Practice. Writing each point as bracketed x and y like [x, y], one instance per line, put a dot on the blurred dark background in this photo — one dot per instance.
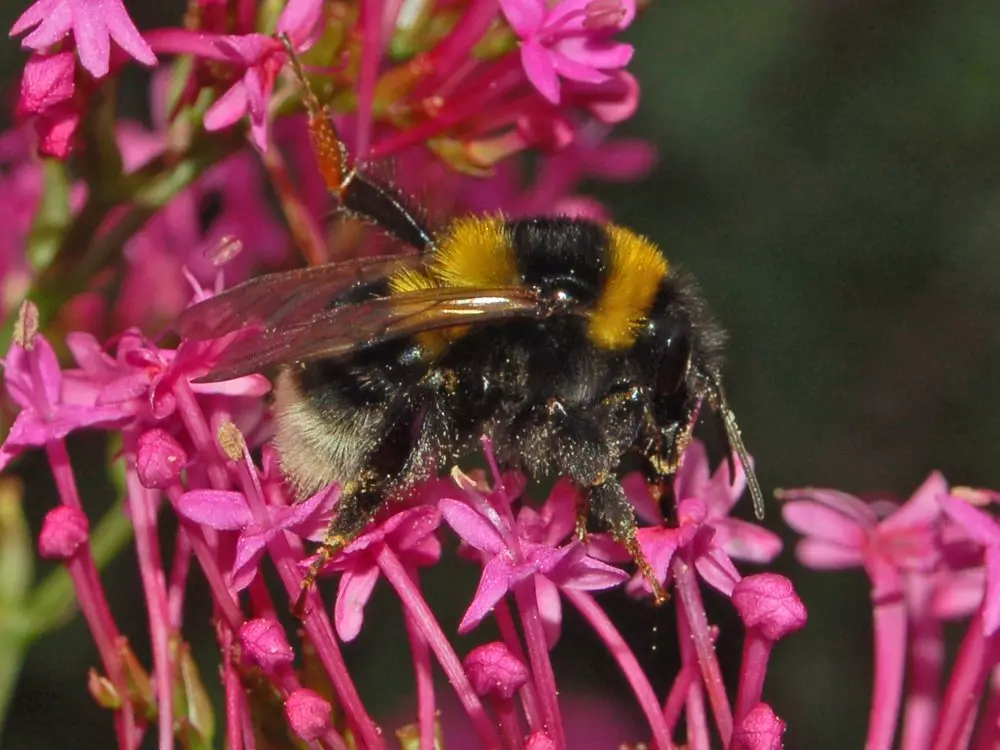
[829, 172]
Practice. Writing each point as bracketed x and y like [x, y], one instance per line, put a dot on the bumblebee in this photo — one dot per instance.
[570, 344]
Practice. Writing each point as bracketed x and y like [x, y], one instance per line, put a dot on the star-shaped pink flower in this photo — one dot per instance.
[704, 525]
[569, 40]
[94, 24]
[410, 534]
[228, 510]
[843, 531]
[34, 382]
[512, 554]
[260, 56]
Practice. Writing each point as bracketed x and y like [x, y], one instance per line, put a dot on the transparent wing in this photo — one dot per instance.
[283, 299]
[335, 332]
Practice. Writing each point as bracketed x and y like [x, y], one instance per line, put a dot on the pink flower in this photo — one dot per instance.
[760, 729]
[569, 40]
[159, 459]
[264, 643]
[228, 510]
[64, 531]
[493, 669]
[511, 555]
[94, 24]
[409, 533]
[35, 383]
[842, 531]
[704, 526]
[983, 529]
[308, 713]
[260, 56]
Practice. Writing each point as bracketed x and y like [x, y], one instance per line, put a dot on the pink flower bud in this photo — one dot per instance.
[159, 459]
[539, 741]
[264, 643]
[768, 602]
[64, 530]
[494, 670]
[308, 714]
[759, 730]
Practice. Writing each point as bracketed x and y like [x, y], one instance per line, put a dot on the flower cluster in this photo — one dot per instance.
[190, 445]
[451, 95]
[932, 560]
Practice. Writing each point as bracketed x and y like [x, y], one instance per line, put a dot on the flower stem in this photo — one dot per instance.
[890, 663]
[538, 655]
[142, 505]
[677, 696]
[510, 727]
[372, 12]
[756, 653]
[627, 662]
[926, 656]
[968, 676]
[529, 692]
[694, 611]
[694, 700]
[93, 602]
[424, 677]
[417, 609]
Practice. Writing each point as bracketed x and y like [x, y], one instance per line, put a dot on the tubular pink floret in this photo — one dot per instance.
[64, 532]
[494, 670]
[160, 459]
[308, 713]
[767, 602]
[264, 643]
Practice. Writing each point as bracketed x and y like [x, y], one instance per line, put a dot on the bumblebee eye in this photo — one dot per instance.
[674, 359]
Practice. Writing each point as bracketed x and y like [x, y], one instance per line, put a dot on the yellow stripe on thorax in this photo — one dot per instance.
[636, 268]
[474, 252]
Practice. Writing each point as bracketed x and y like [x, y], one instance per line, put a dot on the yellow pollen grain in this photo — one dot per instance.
[476, 252]
[636, 268]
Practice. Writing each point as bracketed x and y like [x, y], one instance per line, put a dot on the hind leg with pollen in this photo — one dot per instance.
[385, 472]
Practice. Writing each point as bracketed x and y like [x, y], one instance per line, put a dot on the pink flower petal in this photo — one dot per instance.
[52, 27]
[540, 70]
[218, 509]
[230, 107]
[300, 20]
[717, 570]
[498, 577]
[471, 526]
[524, 16]
[353, 592]
[991, 601]
[822, 522]
[848, 505]
[123, 31]
[595, 54]
[549, 609]
[823, 555]
[747, 541]
[579, 571]
[981, 527]
[575, 70]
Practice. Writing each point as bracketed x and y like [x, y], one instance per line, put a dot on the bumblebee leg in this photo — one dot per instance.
[611, 507]
[360, 499]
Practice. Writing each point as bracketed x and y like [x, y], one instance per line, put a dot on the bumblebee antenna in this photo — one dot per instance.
[382, 205]
[717, 397]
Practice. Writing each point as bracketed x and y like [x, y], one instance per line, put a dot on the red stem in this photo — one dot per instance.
[142, 504]
[756, 653]
[538, 656]
[424, 677]
[968, 675]
[529, 692]
[711, 675]
[93, 603]
[416, 608]
[627, 662]
[694, 701]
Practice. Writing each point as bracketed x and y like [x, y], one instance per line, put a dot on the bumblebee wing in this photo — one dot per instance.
[339, 331]
[282, 299]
